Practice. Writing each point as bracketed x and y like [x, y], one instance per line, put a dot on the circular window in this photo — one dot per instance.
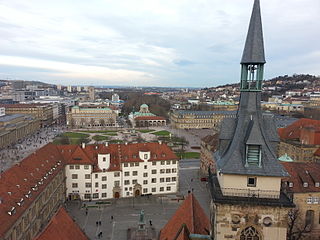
[267, 221]
[235, 219]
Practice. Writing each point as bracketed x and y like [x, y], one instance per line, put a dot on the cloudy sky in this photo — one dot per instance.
[195, 43]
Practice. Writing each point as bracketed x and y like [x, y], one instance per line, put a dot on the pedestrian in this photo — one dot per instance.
[86, 212]
[96, 223]
[150, 222]
[100, 234]
[100, 223]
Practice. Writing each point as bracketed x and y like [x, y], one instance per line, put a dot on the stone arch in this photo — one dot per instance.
[250, 232]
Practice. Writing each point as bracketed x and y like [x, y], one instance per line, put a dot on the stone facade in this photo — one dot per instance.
[230, 221]
[208, 146]
[298, 152]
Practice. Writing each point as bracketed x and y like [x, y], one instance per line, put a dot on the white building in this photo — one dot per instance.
[119, 170]
[2, 111]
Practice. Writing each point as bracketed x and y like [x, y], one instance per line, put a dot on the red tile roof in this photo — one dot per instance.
[301, 173]
[149, 118]
[62, 227]
[317, 153]
[293, 131]
[25, 179]
[191, 214]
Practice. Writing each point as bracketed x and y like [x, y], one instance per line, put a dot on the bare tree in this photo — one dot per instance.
[92, 122]
[102, 122]
[297, 226]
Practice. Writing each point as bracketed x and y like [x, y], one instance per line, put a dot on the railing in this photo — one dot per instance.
[236, 192]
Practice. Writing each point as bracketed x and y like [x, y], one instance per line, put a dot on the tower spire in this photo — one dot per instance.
[253, 60]
[254, 48]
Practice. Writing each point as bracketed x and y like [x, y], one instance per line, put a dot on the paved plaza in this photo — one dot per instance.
[122, 214]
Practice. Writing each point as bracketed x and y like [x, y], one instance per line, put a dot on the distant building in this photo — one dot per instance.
[304, 186]
[15, 127]
[199, 119]
[44, 112]
[115, 97]
[91, 92]
[91, 117]
[2, 111]
[69, 88]
[209, 145]
[79, 88]
[144, 118]
[300, 140]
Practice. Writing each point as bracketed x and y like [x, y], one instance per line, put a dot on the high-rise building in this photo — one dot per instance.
[247, 199]
[69, 88]
[91, 93]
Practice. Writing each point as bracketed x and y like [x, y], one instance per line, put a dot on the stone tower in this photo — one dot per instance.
[247, 200]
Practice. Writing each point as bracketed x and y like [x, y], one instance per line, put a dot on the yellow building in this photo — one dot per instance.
[198, 119]
[44, 112]
[15, 127]
[91, 117]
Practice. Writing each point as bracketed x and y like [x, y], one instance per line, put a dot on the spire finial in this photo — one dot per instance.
[253, 52]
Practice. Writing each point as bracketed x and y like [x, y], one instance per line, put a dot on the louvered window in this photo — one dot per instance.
[253, 155]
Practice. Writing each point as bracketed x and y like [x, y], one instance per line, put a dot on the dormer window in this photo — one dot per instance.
[317, 184]
[253, 155]
[12, 211]
[290, 184]
[305, 184]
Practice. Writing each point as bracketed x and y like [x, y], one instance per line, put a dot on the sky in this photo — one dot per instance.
[174, 43]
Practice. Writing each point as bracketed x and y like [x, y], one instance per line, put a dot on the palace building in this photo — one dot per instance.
[247, 201]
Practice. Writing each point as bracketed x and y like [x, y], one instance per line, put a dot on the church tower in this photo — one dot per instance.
[247, 200]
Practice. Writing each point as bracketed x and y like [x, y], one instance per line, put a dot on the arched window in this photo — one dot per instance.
[250, 233]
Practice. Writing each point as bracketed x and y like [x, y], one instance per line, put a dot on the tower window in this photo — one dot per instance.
[253, 155]
[252, 181]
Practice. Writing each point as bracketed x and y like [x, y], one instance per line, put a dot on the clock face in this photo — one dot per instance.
[267, 221]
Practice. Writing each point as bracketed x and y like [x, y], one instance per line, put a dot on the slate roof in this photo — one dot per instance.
[250, 127]
[254, 47]
[62, 227]
[189, 217]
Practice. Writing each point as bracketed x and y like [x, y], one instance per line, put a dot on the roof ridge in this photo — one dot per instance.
[192, 213]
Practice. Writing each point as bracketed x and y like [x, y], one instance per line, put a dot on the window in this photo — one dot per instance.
[168, 188]
[168, 162]
[145, 190]
[174, 179]
[88, 185]
[253, 155]
[74, 176]
[309, 200]
[168, 170]
[145, 174]
[250, 233]
[305, 184]
[104, 178]
[315, 200]
[71, 167]
[125, 165]
[104, 186]
[96, 184]
[161, 179]
[174, 170]
[145, 167]
[290, 184]
[317, 184]
[154, 171]
[87, 176]
[161, 189]
[116, 183]
[134, 181]
[74, 185]
[174, 161]
[153, 189]
[134, 173]
[136, 164]
[162, 162]
[96, 175]
[154, 163]
[145, 181]
[309, 218]
[104, 159]
[128, 193]
[126, 182]
[86, 167]
[162, 170]
[77, 167]
[95, 195]
[116, 174]
[145, 156]
[131, 164]
[126, 173]
[168, 179]
[251, 181]
[87, 196]
[104, 195]
[153, 180]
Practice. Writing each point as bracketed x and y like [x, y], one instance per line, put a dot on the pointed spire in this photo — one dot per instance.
[254, 49]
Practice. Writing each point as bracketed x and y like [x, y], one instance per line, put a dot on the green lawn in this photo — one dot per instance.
[162, 133]
[116, 141]
[99, 138]
[111, 134]
[146, 130]
[76, 141]
[189, 155]
[75, 135]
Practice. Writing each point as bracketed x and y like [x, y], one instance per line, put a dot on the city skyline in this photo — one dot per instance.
[151, 43]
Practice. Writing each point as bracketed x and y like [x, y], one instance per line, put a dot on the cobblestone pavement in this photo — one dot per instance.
[125, 212]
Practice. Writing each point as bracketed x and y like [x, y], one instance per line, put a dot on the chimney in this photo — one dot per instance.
[126, 143]
[160, 142]
[106, 144]
[83, 145]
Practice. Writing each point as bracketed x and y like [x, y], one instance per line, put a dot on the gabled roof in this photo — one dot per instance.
[62, 227]
[300, 173]
[254, 48]
[149, 118]
[189, 217]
